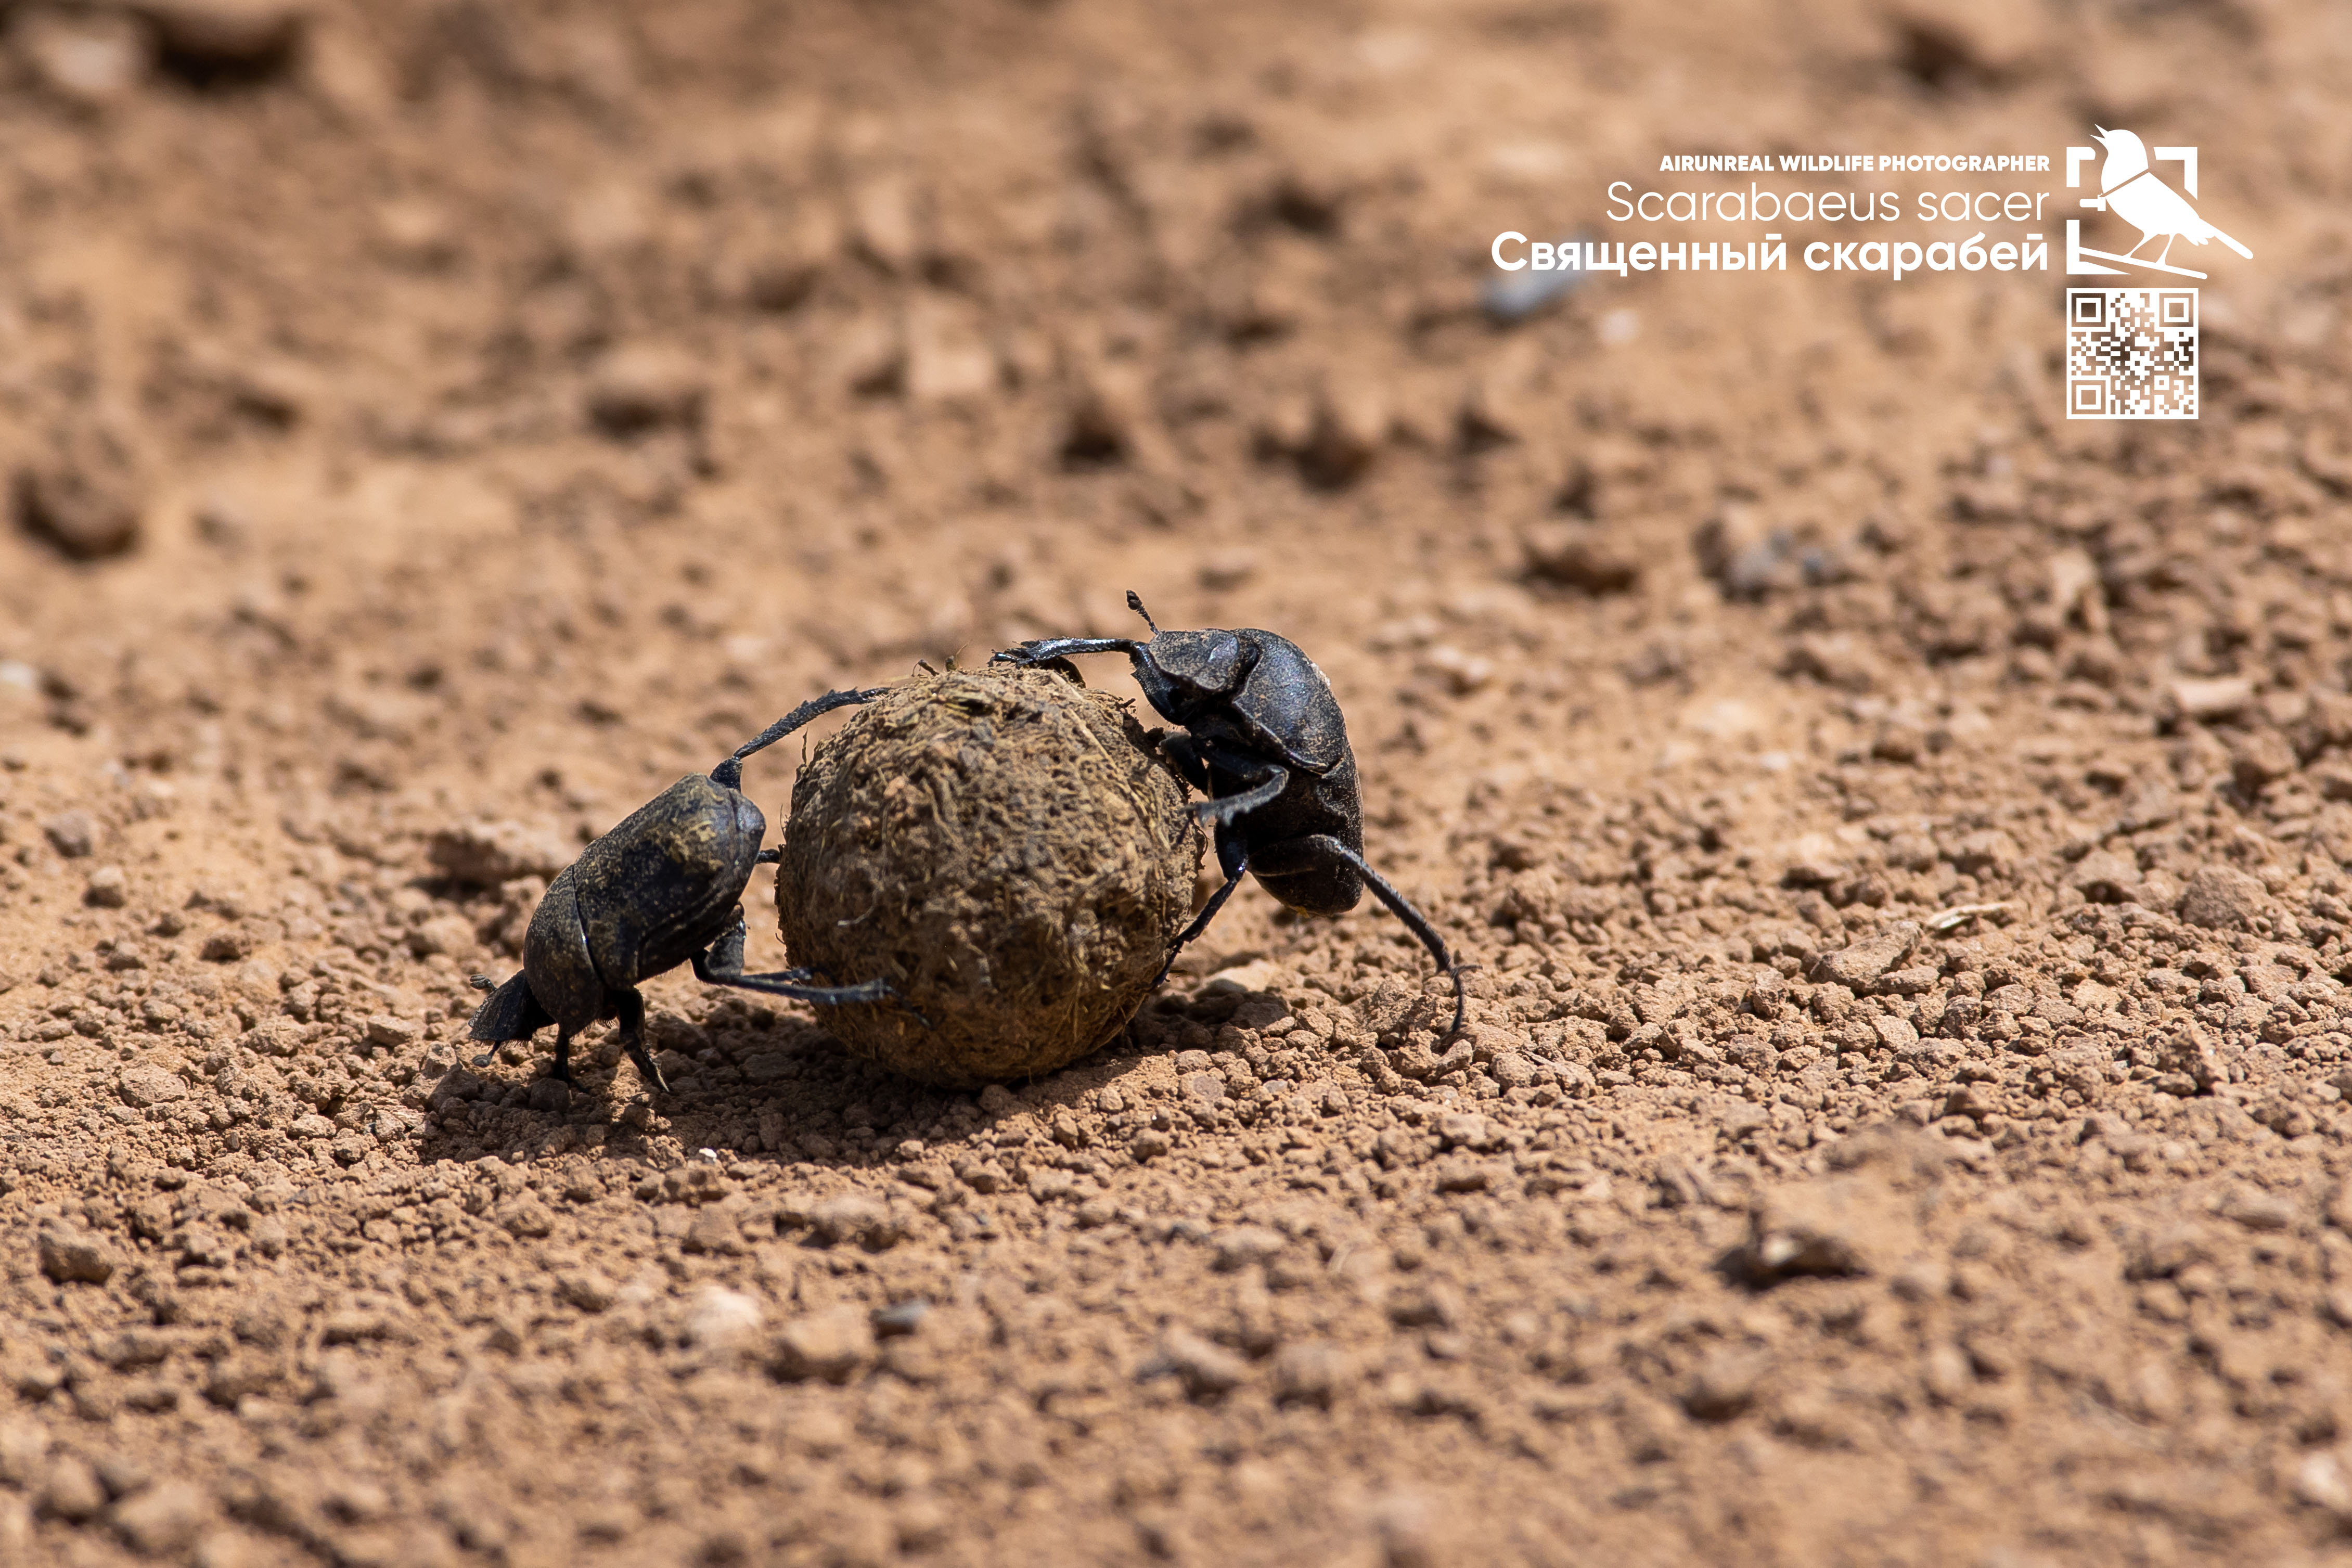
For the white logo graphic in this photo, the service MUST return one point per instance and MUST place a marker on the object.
(2131, 354)
(2132, 191)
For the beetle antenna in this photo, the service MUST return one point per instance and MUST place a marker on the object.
(1135, 603)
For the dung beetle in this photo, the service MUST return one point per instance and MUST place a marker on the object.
(664, 887)
(1264, 740)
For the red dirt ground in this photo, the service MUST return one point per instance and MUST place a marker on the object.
(476, 415)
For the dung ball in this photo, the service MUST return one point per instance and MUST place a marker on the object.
(1008, 850)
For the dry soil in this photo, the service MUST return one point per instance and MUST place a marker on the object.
(433, 427)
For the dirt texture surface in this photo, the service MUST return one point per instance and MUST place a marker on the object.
(1009, 852)
(433, 428)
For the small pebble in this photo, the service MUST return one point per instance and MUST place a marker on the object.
(71, 834)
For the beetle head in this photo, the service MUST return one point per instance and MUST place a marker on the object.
(1197, 669)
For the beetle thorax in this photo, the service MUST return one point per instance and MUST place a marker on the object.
(1197, 670)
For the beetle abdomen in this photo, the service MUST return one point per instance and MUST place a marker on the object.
(555, 959)
(510, 1012)
(657, 889)
(1328, 889)
(1311, 883)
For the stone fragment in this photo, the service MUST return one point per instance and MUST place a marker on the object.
(86, 494)
(860, 1218)
(2105, 876)
(1895, 1034)
(723, 1321)
(143, 1084)
(2221, 897)
(242, 1376)
(1837, 1225)
(644, 386)
(76, 1257)
(1987, 851)
(92, 60)
(71, 834)
(1580, 556)
(1311, 1372)
(1207, 1370)
(227, 947)
(2205, 700)
(1240, 1245)
(830, 1345)
(1205, 1089)
(72, 1491)
(391, 1033)
(239, 36)
(587, 1289)
(1861, 964)
(2259, 1211)
(163, 1520)
(1724, 1386)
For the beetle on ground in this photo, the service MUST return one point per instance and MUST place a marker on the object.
(1264, 740)
(664, 887)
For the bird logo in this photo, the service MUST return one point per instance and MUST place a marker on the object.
(2130, 187)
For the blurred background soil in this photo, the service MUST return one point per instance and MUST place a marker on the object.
(431, 428)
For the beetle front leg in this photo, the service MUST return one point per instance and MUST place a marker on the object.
(1183, 753)
(1045, 648)
(1303, 854)
(1232, 860)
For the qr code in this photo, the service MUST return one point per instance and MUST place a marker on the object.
(2131, 354)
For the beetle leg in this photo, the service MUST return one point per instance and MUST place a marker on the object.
(1323, 845)
(793, 983)
(722, 964)
(631, 1008)
(730, 772)
(1232, 860)
(1270, 781)
(1184, 753)
(562, 1055)
(1062, 648)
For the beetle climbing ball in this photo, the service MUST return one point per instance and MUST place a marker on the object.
(1008, 851)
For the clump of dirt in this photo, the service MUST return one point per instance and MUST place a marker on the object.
(1008, 851)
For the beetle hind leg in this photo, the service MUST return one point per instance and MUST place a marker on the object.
(722, 964)
(730, 772)
(631, 1008)
(1323, 846)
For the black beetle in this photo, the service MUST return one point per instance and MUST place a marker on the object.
(663, 889)
(1265, 741)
